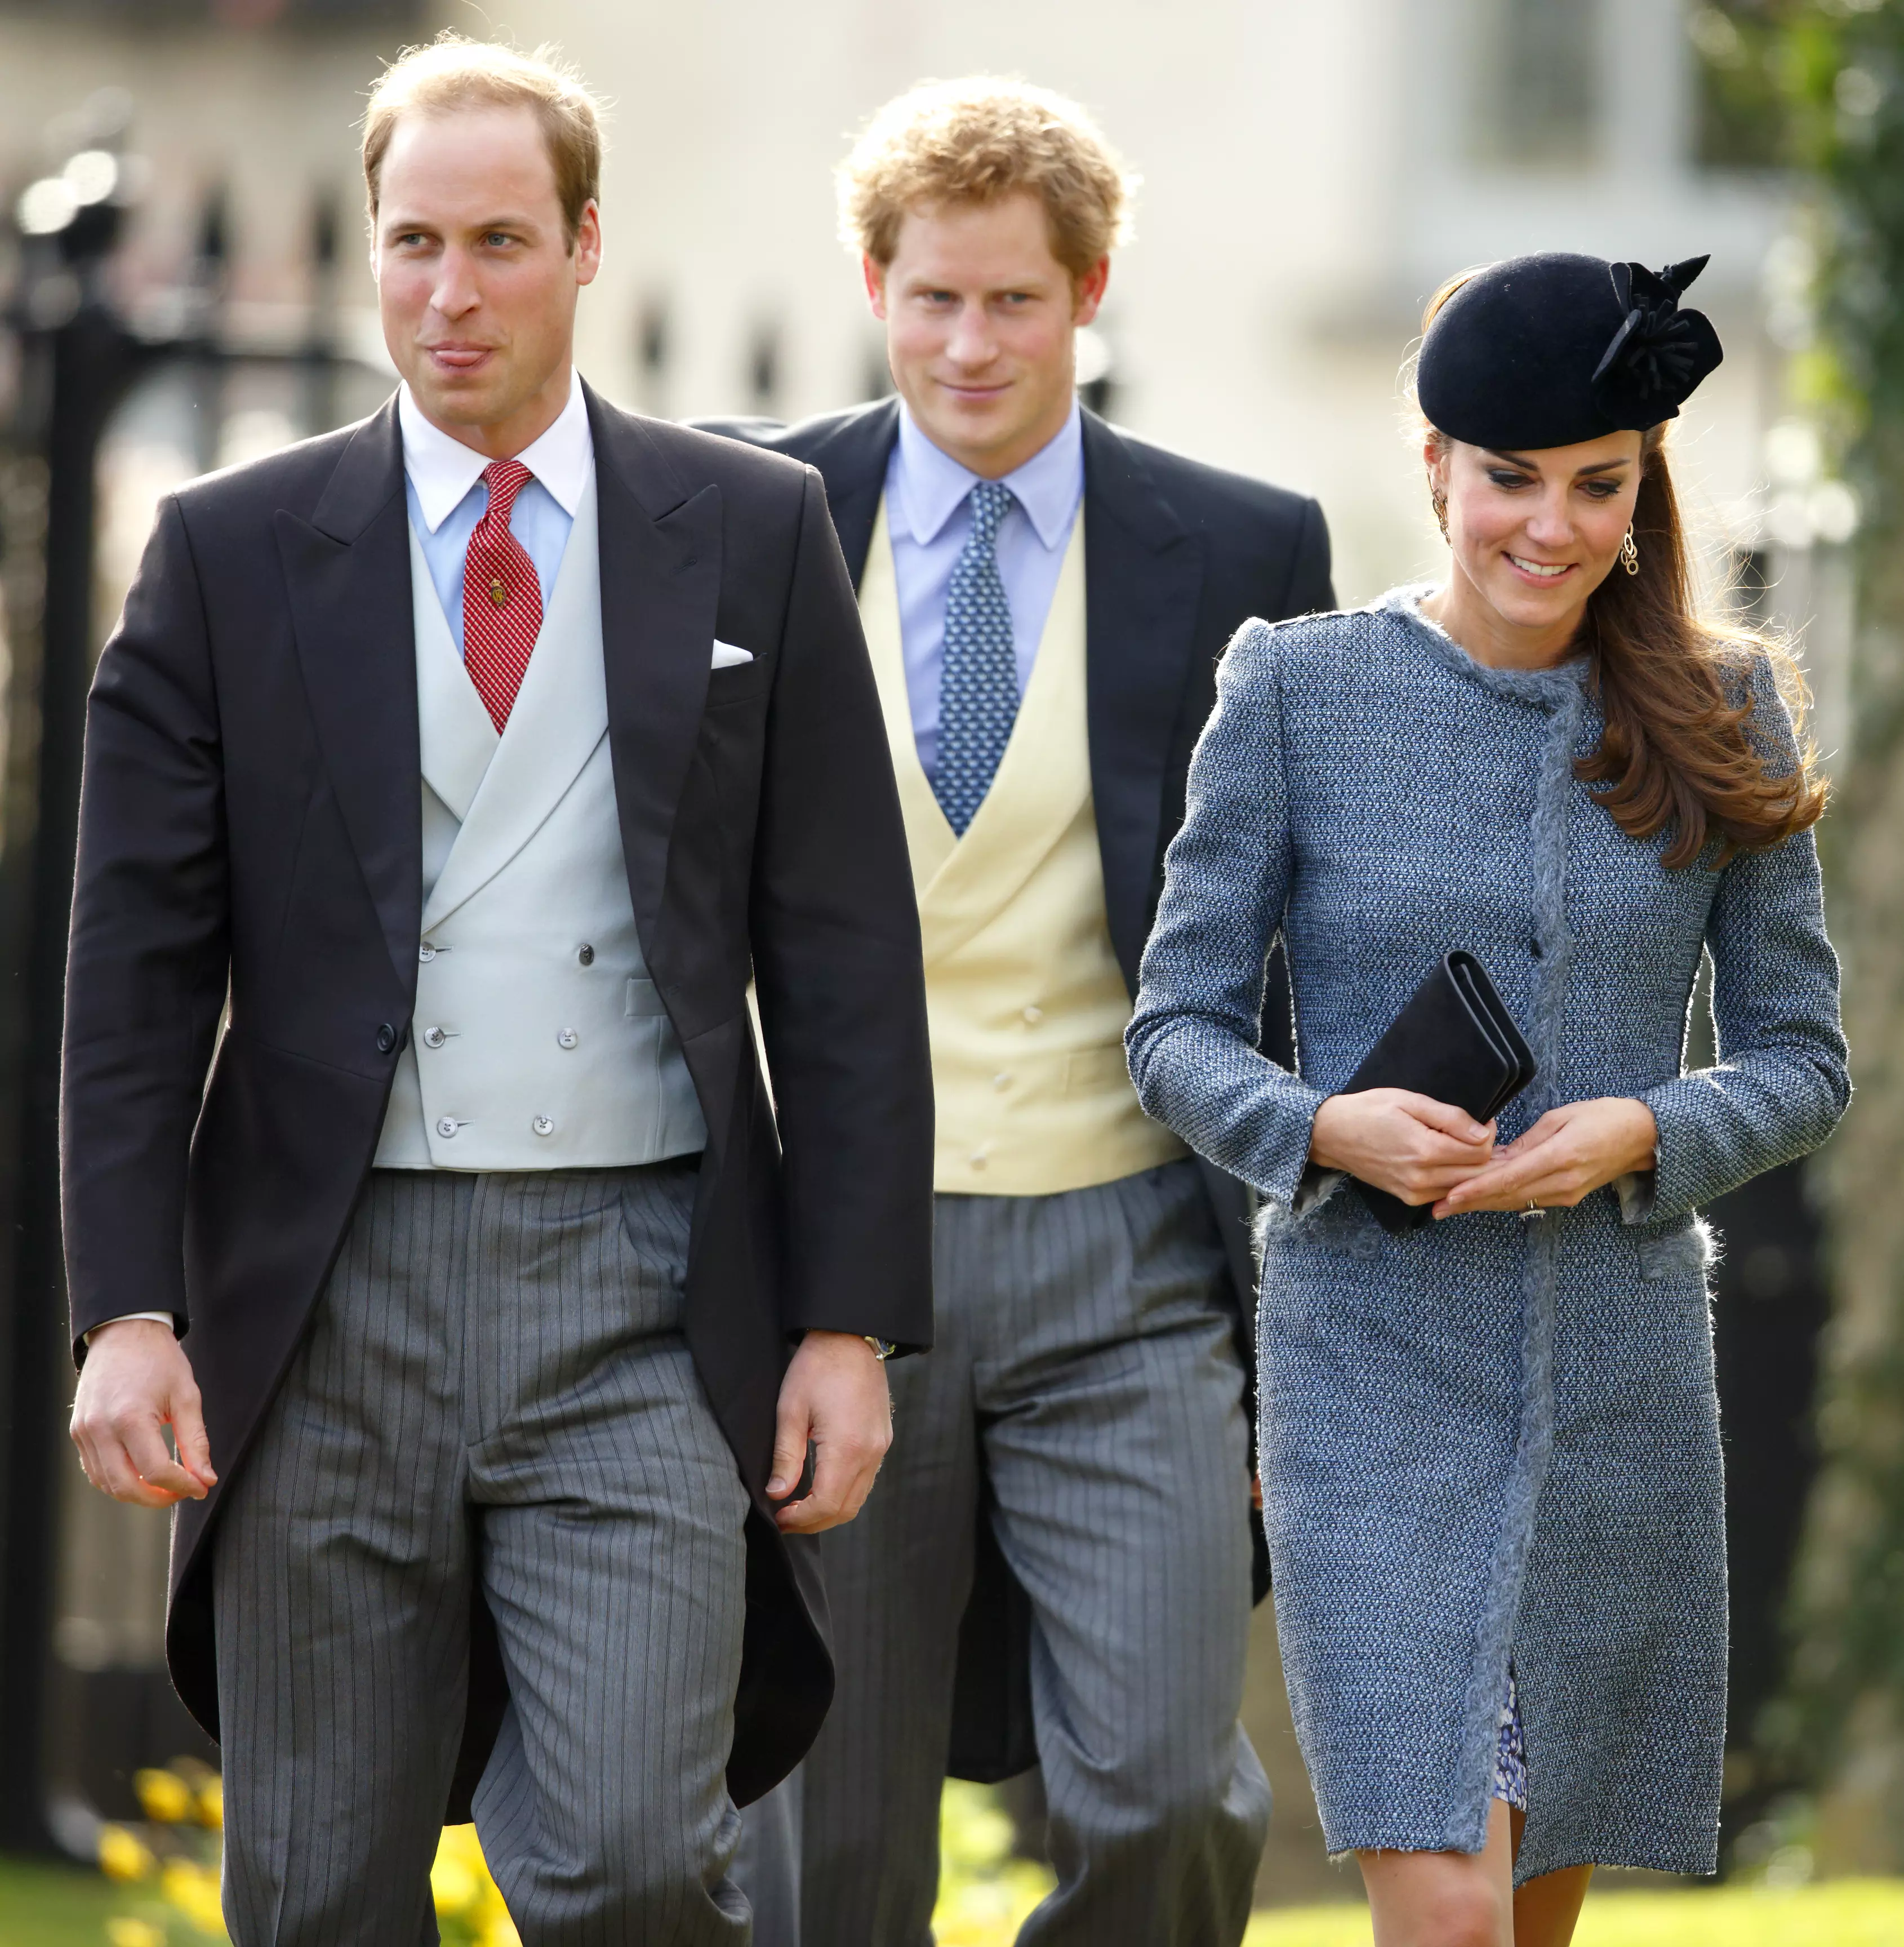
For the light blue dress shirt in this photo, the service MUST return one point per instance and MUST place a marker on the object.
(435, 467)
(536, 520)
(929, 515)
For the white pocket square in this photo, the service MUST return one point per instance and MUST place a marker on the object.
(726, 656)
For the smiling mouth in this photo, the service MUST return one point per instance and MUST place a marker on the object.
(1543, 570)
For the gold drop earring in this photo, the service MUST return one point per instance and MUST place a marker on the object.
(1630, 553)
(1439, 502)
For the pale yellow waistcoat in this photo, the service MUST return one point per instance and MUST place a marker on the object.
(1026, 1002)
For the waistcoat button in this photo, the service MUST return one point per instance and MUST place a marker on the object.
(542, 1126)
(587, 956)
(568, 1038)
(433, 1037)
(446, 1125)
(426, 952)
(386, 1039)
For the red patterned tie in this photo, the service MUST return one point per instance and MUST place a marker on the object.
(502, 599)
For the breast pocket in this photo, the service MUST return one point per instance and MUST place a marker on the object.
(736, 683)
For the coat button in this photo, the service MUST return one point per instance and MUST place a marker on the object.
(1001, 1081)
(542, 1126)
(433, 1037)
(1033, 1016)
(386, 1039)
(567, 1038)
(426, 953)
(446, 1126)
(587, 956)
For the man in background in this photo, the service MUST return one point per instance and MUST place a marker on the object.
(470, 762)
(1061, 1538)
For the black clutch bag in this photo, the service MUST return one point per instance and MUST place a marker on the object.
(1454, 1040)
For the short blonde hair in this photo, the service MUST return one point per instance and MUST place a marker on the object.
(975, 141)
(453, 72)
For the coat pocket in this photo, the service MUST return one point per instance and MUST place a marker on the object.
(1688, 1247)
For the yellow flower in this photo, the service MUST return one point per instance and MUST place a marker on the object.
(211, 1805)
(123, 1933)
(460, 1881)
(164, 1796)
(193, 1889)
(123, 1856)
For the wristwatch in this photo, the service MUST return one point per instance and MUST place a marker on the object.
(883, 1348)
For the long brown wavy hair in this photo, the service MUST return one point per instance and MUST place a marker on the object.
(1677, 750)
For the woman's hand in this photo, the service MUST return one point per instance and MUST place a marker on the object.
(1567, 1155)
(1412, 1146)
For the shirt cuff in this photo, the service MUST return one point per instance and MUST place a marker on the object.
(157, 1318)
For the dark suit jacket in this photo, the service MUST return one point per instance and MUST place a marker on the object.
(1177, 556)
(251, 820)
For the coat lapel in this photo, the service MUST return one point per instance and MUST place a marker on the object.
(660, 590)
(1144, 581)
(852, 461)
(347, 570)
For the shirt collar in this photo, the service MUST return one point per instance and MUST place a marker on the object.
(932, 485)
(443, 469)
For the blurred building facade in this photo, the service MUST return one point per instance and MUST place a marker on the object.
(1311, 174)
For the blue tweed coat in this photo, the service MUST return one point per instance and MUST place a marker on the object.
(1496, 1440)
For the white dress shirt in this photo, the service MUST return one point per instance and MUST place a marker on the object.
(929, 515)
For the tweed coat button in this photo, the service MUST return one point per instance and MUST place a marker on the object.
(587, 956)
(567, 1038)
(542, 1126)
(386, 1039)
(446, 1126)
(434, 1037)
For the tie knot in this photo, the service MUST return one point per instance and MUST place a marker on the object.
(991, 500)
(507, 478)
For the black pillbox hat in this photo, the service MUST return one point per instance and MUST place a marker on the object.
(1555, 349)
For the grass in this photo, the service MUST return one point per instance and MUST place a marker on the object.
(59, 1906)
(1841, 1913)
(52, 1906)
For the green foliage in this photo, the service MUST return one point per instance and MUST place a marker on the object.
(1825, 80)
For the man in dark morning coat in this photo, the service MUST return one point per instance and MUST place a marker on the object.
(1057, 1568)
(469, 763)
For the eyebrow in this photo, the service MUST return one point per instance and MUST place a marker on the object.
(1527, 466)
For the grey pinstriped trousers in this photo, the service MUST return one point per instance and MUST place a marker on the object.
(495, 1386)
(1083, 1344)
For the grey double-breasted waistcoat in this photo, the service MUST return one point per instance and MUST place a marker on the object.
(1494, 1440)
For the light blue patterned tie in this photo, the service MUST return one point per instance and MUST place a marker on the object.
(978, 686)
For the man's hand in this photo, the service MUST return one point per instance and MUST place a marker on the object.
(834, 1394)
(1412, 1146)
(136, 1382)
(1571, 1152)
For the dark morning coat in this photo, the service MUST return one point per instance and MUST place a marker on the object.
(250, 822)
(1178, 555)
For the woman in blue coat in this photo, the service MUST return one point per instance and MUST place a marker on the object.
(1489, 1445)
